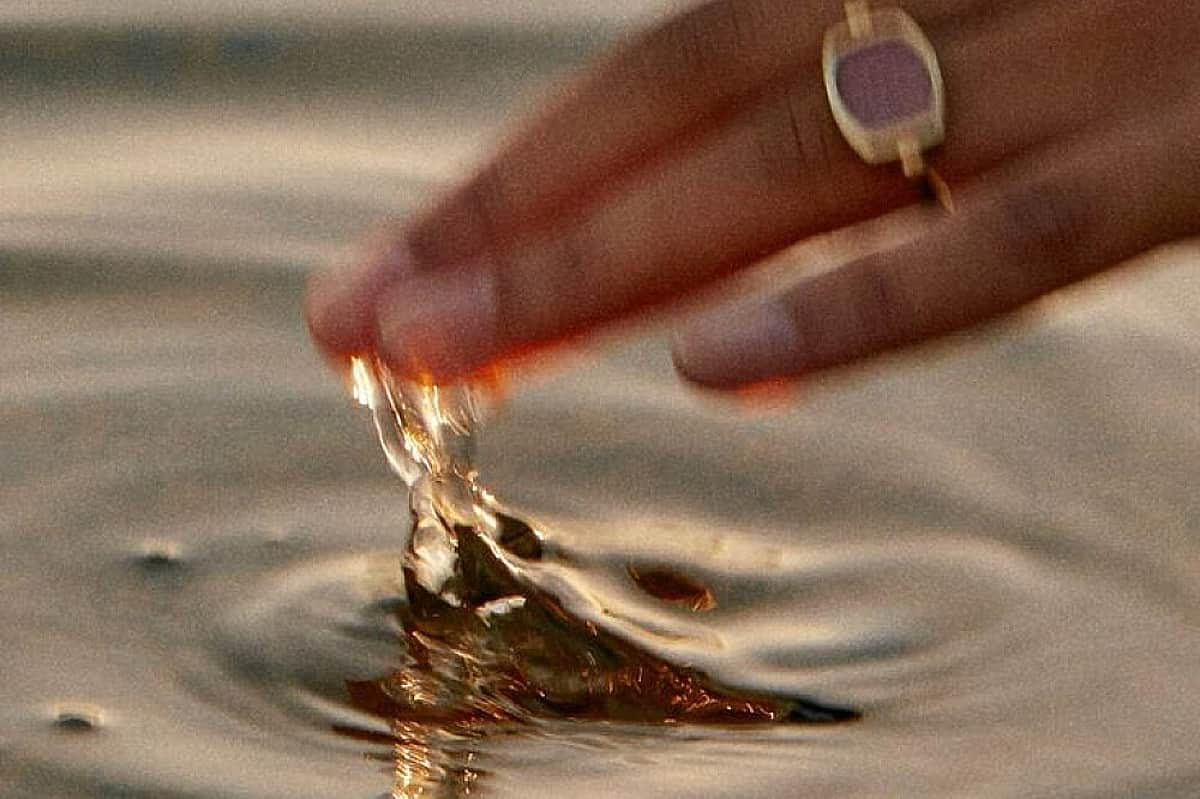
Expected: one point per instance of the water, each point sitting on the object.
(989, 550)
(496, 626)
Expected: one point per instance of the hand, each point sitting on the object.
(1073, 143)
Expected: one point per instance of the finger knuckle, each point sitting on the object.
(798, 144)
(880, 306)
(1045, 229)
(853, 313)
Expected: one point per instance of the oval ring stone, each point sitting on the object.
(884, 84)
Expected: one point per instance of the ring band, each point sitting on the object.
(885, 90)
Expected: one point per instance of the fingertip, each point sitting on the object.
(340, 302)
(771, 394)
(440, 326)
(338, 313)
(738, 347)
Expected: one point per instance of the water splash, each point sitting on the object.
(484, 642)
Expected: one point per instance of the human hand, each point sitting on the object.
(1072, 143)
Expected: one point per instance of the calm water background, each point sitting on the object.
(991, 549)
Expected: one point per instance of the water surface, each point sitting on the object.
(989, 550)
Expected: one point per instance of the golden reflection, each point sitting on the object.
(431, 747)
(424, 769)
(414, 762)
(362, 383)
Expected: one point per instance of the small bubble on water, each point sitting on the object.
(77, 717)
(158, 555)
(277, 535)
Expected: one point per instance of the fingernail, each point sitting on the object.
(340, 302)
(737, 346)
(441, 325)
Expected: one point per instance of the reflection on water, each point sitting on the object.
(421, 769)
(989, 550)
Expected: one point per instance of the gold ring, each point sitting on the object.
(885, 90)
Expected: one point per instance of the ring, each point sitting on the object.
(885, 90)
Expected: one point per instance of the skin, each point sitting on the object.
(703, 146)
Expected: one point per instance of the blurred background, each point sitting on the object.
(990, 548)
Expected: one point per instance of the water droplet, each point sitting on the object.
(77, 717)
(159, 555)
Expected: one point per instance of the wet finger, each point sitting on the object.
(339, 303)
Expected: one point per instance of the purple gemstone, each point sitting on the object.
(884, 83)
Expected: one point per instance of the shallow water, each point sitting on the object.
(990, 550)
